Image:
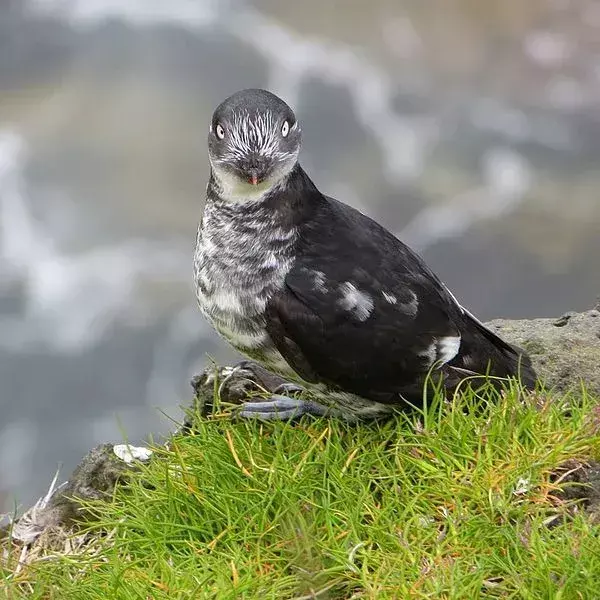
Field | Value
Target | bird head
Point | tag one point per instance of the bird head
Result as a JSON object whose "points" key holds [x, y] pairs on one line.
{"points": [[253, 142]]}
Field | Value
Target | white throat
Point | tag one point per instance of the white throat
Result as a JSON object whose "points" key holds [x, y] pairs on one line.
{"points": [[234, 189]]}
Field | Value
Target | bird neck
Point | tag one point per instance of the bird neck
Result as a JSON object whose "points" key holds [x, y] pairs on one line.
{"points": [[233, 190], [289, 202]]}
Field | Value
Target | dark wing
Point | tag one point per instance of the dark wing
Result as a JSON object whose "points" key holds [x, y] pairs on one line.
{"points": [[361, 311]]}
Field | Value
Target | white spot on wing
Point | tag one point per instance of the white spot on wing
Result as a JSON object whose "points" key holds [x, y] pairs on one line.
{"points": [[442, 350], [447, 348], [355, 301], [319, 281], [389, 297]]}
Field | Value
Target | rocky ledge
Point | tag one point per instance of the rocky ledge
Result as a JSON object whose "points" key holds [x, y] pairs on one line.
{"points": [[564, 351]]}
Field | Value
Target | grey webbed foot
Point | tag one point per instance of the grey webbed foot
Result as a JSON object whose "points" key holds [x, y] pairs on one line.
{"points": [[282, 408]]}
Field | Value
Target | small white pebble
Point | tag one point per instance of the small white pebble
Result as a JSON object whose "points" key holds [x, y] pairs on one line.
{"points": [[130, 453], [522, 486], [425, 521]]}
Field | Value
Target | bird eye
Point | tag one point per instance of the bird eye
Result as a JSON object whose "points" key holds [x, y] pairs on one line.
{"points": [[220, 132], [285, 129]]}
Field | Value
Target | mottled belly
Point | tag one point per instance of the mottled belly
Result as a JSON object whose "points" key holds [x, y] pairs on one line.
{"points": [[255, 343], [243, 326]]}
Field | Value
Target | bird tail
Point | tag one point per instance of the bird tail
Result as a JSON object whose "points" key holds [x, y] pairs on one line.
{"points": [[483, 352]]}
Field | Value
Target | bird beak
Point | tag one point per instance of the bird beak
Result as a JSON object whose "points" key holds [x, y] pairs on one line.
{"points": [[253, 179]]}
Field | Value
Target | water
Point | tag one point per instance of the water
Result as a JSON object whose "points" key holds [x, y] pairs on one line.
{"points": [[471, 131]]}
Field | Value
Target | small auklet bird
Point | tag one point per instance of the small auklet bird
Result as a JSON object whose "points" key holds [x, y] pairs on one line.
{"points": [[319, 293]]}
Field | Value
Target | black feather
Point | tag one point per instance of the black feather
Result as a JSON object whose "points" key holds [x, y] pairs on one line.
{"points": [[314, 289], [383, 356]]}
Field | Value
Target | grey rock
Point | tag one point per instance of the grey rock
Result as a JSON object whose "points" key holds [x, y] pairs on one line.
{"points": [[565, 352], [94, 479], [580, 487]]}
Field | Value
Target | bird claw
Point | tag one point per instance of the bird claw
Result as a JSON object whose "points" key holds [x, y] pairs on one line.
{"points": [[287, 388], [281, 408]]}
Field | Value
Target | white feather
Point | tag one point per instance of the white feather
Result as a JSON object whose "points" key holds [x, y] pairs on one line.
{"points": [[355, 301]]}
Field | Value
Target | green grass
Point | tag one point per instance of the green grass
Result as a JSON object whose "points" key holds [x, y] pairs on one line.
{"points": [[452, 502]]}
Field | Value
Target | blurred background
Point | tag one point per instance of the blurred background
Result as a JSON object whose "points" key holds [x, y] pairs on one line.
{"points": [[469, 128]]}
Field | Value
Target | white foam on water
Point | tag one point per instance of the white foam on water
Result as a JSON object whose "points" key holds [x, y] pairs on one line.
{"points": [[506, 179], [84, 14], [70, 300]]}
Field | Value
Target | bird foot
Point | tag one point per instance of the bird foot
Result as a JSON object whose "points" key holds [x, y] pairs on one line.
{"points": [[288, 389], [282, 408]]}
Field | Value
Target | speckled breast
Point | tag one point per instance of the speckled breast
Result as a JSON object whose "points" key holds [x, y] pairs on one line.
{"points": [[236, 272]]}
